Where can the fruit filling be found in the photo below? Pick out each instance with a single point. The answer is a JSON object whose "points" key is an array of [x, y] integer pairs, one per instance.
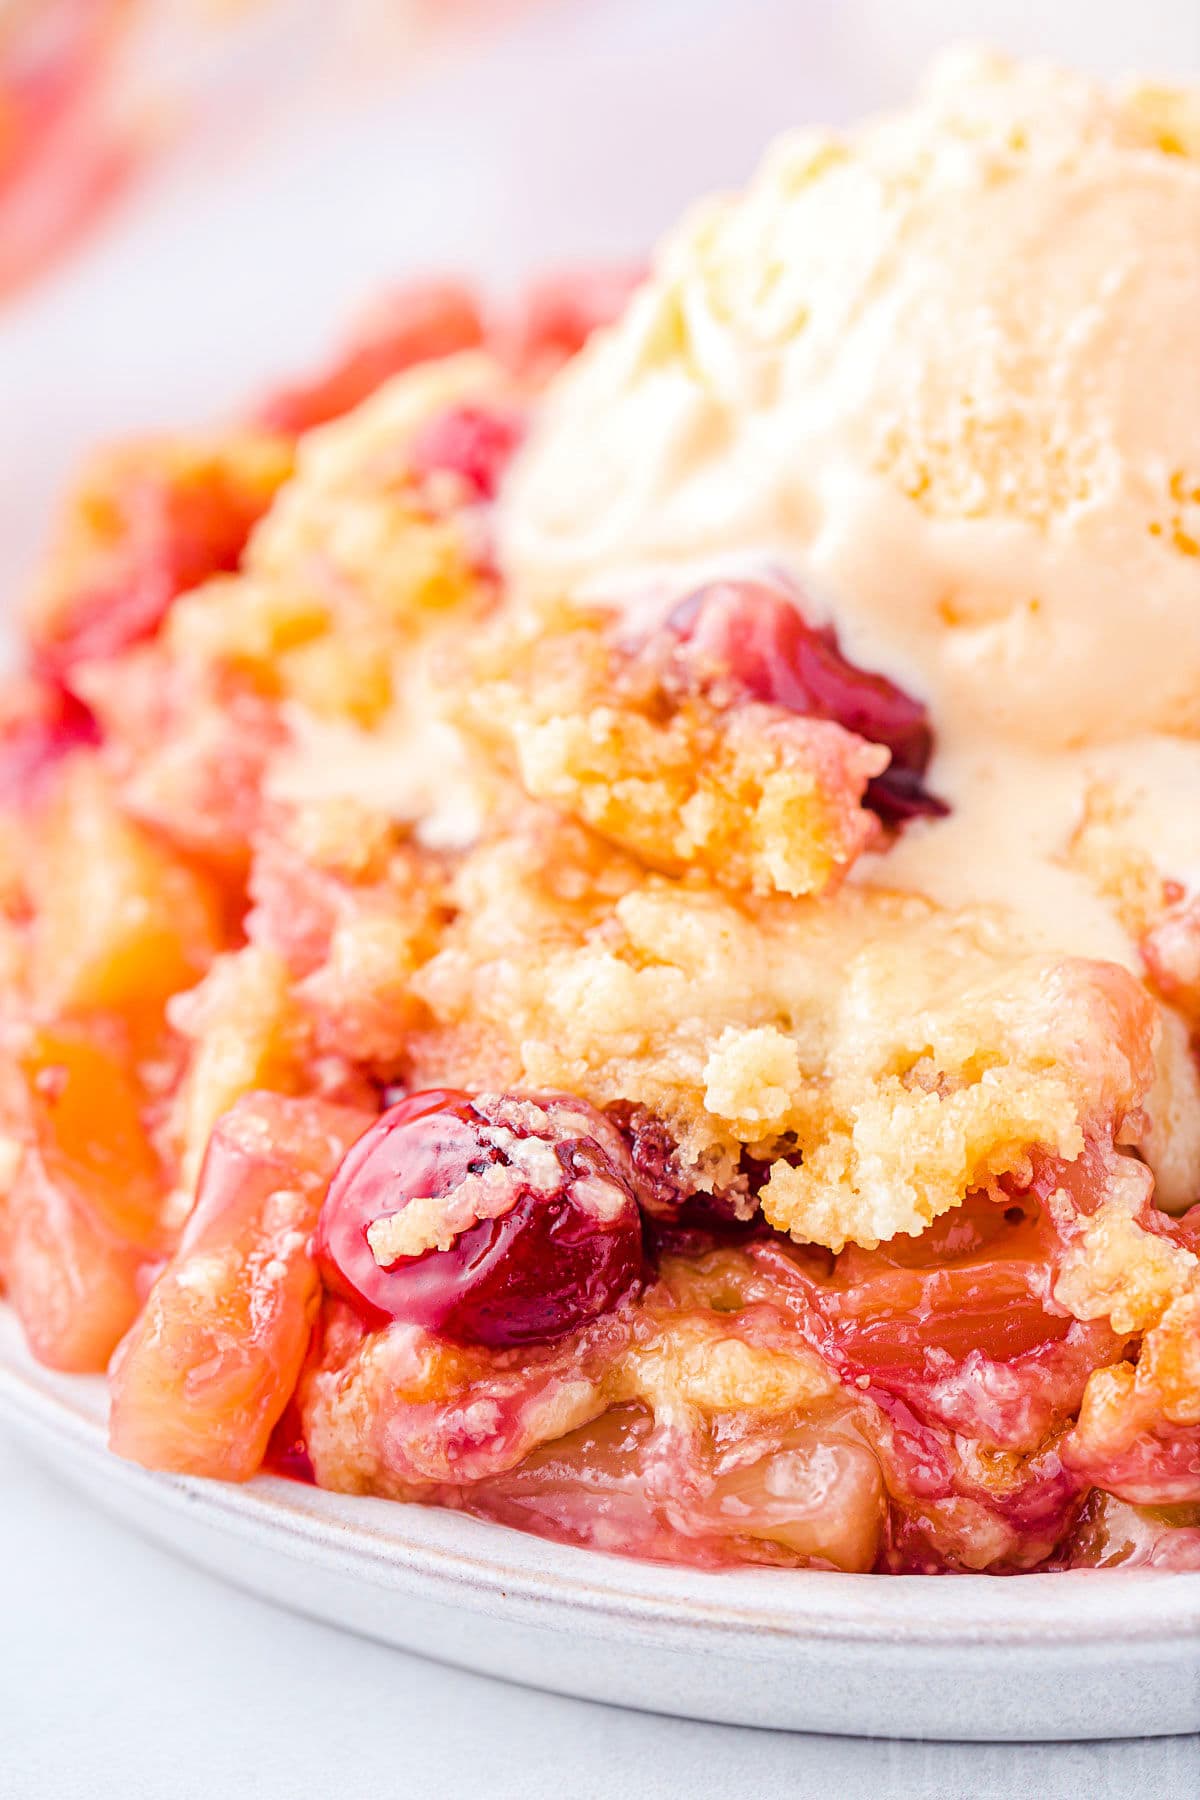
{"points": [[598, 921]]}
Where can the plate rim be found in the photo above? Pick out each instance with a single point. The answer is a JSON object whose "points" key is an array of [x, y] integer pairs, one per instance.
{"points": [[402, 1544]]}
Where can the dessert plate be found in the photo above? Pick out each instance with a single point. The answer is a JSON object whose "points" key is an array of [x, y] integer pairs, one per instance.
{"points": [[1084, 1655]]}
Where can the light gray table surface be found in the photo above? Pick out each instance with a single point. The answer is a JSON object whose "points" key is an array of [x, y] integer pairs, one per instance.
{"points": [[129, 1676]]}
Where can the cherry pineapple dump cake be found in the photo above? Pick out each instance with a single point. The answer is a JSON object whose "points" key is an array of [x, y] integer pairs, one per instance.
{"points": [[599, 903]]}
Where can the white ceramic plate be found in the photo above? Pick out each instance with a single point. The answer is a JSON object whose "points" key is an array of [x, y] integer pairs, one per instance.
{"points": [[1044, 1656]]}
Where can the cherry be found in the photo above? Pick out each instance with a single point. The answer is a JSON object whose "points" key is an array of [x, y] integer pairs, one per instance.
{"points": [[287, 1451], [679, 1219], [652, 1153], [753, 635], [558, 313], [473, 442], [410, 325], [526, 1224], [46, 726]]}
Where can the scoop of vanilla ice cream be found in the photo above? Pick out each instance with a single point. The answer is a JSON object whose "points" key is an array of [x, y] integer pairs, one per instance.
{"points": [[947, 366], [946, 371]]}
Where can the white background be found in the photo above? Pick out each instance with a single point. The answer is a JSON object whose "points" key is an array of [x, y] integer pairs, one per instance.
{"points": [[577, 133]]}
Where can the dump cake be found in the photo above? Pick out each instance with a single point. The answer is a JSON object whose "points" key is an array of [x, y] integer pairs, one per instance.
{"points": [[600, 902]]}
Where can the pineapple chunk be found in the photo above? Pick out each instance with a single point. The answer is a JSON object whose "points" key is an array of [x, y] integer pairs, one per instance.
{"points": [[84, 1221], [121, 921]]}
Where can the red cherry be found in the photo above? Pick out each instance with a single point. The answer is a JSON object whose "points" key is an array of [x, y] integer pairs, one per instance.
{"points": [[541, 1228], [473, 442], [754, 635], [47, 723], [411, 325], [558, 313], [287, 1452]]}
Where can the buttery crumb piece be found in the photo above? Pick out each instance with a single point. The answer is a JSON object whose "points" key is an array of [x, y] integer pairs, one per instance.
{"points": [[1120, 1271], [907, 1055], [1169, 1365], [434, 1221], [694, 1362], [752, 797], [752, 1077]]}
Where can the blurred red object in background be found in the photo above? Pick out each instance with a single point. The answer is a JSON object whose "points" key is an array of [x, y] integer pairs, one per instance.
{"points": [[422, 320], [90, 90], [63, 151]]}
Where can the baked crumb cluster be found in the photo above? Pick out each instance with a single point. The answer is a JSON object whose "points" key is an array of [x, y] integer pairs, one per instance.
{"points": [[757, 1212]]}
